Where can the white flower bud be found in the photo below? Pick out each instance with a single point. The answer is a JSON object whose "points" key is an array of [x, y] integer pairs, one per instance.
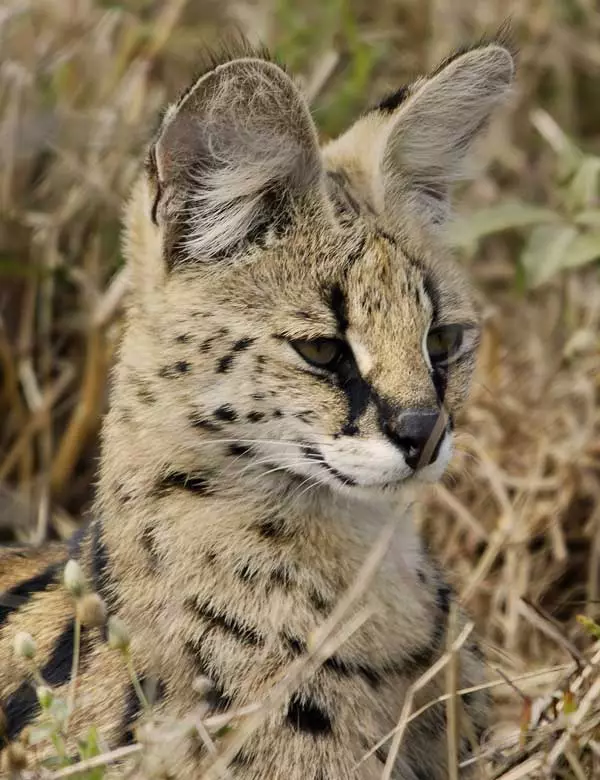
{"points": [[118, 635], [74, 579], [91, 610], [45, 696], [24, 645]]}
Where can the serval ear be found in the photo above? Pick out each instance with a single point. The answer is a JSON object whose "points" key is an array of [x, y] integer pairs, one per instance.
{"points": [[429, 141], [234, 160]]}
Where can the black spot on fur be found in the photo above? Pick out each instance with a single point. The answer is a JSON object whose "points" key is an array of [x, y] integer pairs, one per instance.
{"points": [[242, 759], [170, 372], [224, 364], [255, 416], [305, 715], [148, 542], [223, 622], [277, 413], [391, 102], [226, 413], [246, 573], [296, 645], [207, 344], [270, 529], [203, 424], [319, 602], [282, 576], [346, 669], [195, 483], [15, 597], [239, 450], [242, 344], [183, 338], [306, 416]]}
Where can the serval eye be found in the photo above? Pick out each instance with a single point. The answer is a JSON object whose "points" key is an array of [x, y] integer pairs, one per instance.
{"points": [[322, 353], [444, 342]]}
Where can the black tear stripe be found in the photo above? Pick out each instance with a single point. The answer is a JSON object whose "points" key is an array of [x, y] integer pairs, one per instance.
{"points": [[14, 598], [194, 483], [22, 705], [133, 707], [225, 623], [305, 715], [358, 392]]}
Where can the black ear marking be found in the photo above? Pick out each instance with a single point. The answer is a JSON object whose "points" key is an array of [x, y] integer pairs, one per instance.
{"points": [[393, 101]]}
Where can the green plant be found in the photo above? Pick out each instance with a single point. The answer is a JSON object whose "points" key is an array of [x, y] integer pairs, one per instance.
{"points": [[555, 238]]}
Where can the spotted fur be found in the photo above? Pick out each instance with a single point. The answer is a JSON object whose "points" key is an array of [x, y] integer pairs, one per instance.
{"points": [[240, 487]]}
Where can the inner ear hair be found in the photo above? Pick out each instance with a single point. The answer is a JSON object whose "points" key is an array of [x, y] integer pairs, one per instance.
{"points": [[234, 158]]}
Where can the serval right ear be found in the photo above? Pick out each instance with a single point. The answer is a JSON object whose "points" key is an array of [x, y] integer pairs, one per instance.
{"points": [[232, 159]]}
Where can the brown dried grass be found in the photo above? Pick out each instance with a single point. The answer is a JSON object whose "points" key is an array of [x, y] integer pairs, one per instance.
{"points": [[517, 521]]}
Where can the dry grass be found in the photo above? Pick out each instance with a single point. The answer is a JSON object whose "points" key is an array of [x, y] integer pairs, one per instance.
{"points": [[517, 523]]}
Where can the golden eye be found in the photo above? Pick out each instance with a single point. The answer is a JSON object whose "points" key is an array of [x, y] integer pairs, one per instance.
{"points": [[444, 342], [323, 353]]}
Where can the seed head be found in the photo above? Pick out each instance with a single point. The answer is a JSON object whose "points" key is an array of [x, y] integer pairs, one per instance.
{"points": [[45, 696], [91, 610], [24, 645], [203, 686], [74, 579], [118, 635]]}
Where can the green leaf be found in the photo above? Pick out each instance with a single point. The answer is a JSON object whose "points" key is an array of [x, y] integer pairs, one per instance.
{"points": [[545, 252], [467, 231], [583, 189], [583, 250]]}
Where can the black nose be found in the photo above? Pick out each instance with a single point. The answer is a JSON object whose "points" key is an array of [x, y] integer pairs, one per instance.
{"points": [[418, 433]]}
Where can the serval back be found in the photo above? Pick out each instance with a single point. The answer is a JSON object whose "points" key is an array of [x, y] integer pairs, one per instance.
{"points": [[297, 346]]}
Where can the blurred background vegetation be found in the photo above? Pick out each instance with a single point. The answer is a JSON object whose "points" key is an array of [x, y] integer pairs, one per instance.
{"points": [[517, 521]]}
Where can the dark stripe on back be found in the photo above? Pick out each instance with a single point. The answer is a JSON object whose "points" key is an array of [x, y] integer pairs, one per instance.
{"points": [[22, 706], [13, 598], [194, 483]]}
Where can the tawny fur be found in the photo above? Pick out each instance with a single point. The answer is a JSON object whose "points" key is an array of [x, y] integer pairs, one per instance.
{"points": [[219, 539]]}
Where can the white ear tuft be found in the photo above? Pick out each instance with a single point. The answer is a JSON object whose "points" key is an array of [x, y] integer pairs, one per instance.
{"points": [[231, 160]]}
